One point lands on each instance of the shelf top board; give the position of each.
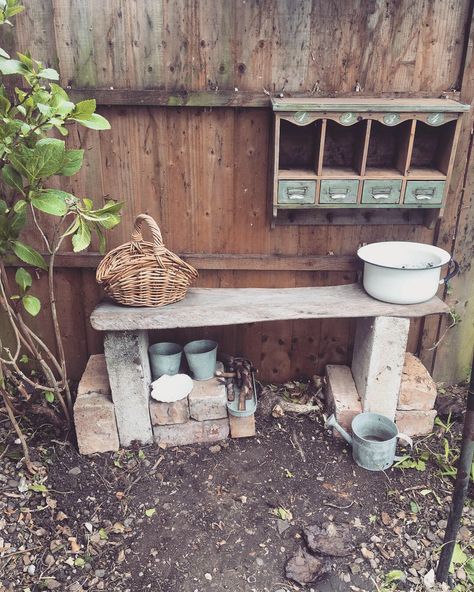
(371, 105)
(205, 307)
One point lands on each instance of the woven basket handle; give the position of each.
(158, 245)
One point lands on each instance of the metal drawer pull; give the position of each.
(339, 193)
(296, 193)
(381, 192)
(426, 193)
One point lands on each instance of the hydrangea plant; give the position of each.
(35, 114)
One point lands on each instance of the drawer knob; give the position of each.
(381, 192)
(339, 193)
(294, 193)
(426, 193)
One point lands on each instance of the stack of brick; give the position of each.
(94, 413)
(414, 414)
(415, 410)
(198, 418)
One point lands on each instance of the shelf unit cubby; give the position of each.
(338, 159)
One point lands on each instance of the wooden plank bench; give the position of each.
(379, 349)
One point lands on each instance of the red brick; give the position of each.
(169, 413)
(417, 388)
(192, 432)
(242, 427)
(96, 427)
(415, 423)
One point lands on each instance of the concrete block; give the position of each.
(379, 355)
(192, 432)
(342, 397)
(242, 427)
(126, 354)
(95, 378)
(96, 427)
(169, 413)
(417, 388)
(415, 423)
(208, 400)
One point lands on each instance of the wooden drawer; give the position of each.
(296, 192)
(424, 193)
(380, 192)
(338, 191)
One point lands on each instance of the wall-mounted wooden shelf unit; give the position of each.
(334, 155)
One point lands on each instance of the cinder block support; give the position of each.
(379, 353)
(126, 354)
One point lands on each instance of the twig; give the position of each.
(29, 465)
(339, 507)
(297, 445)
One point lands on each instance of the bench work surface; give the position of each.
(233, 306)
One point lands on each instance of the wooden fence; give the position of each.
(185, 85)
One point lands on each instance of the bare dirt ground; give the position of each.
(226, 517)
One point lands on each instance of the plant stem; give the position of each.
(29, 465)
(57, 330)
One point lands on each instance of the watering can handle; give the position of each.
(408, 441)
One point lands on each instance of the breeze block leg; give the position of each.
(377, 364)
(126, 354)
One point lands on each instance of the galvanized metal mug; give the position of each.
(201, 356)
(374, 440)
(165, 358)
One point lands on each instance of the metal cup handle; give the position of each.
(453, 269)
(408, 441)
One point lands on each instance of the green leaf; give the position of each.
(11, 67)
(20, 206)
(72, 162)
(469, 569)
(23, 279)
(31, 304)
(3, 207)
(79, 562)
(49, 396)
(52, 201)
(459, 556)
(414, 507)
(94, 121)
(394, 576)
(24, 359)
(48, 155)
(103, 534)
(38, 487)
(4, 54)
(12, 177)
(28, 255)
(49, 74)
(84, 109)
(82, 238)
(149, 513)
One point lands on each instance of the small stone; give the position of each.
(49, 560)
(208, 577)
(99, 573)
(282, 525)
(215, 449)
(259, 561)
(329, 539)
(31, 569)
(367, 553)
(75, 471)
(304, 568)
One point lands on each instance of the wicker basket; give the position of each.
(140, 273)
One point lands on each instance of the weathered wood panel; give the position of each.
(281, 46)
(202, 173)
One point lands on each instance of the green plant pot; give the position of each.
(165, 358)
(201, 356)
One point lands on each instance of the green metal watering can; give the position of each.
(374, 440)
